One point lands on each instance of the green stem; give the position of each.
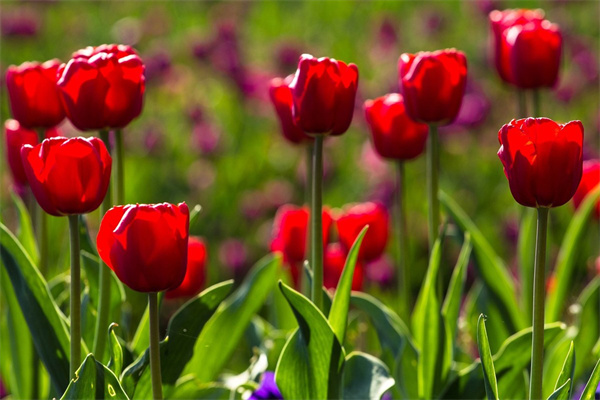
(522, 102)
(404, 287)
(101, 330)
(154, 347)
(316, 231)
(42, 224)
(75, 296)
(304, 284)
(537, 106)
(433, 166)
(119, 170)
(539, 281)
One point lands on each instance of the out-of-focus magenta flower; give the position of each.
(334, 260)
(433, 84)
(527, 48)
(16, 137)
(542, 160)
(33, 94)
(287, 57)
(268, 389)
(387, 36)
(157, 64)
(102, 87)
(68, 176)
(590, 179)
(381, 272)
(195, 274)
(19, 23)
(354, 218)
(473, 112)
(281, 97)
(394, 134)
(324, 91)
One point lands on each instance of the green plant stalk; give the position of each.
(154, 347)
(75, 299)
(522, 102)
(316, 231)
(304, 285)
(119, 169)
(403, 271)
(539, 281)
(101, 329)
(433, 167)
(537, 106)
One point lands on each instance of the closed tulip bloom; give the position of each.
(33, 94)
(590, 179)
(102, 87)
(394, 134)
(68, 176)
(433, 84)
(354, 218)
(334, 261)
(324, 91)
(146, 245)
(16, 137)
(542, 160)
(281, 97)
(195, 274)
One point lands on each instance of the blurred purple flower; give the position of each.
(206, 137)
(586, 60)
(287, 56)
(153, 139)
(233, 256)
(387, 37)
(383, 192)
(278, 193)
(486, 6)
(19, 22)
(374, 166)
(253, 205)
(268, 388)
(434, 23)
(381, 272)
(157, 64)
(473, 111)
(511, 231)
(3, 391)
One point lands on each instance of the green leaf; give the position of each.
(562, 393)
(310, 365)
(397, 344)
(116, 352)
(587, 325)
(338, 316)
(487, 363)
(567, 372)
(141, 338)
(49, 332)
(429, 330)
(365, 377)
(222, 332)
(189, 388)
(567, 257)
(194, 214)
(525, 253)
(94, 381)
(25, 232)
(492, 270)
(176, 350)
(590, 388)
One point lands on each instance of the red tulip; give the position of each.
(146, 245)
(68, 176)
(324, 90)
(33, 94)
(281, 97)
(102, 87)
(195, 274)
(16, 137)
(542, 160)
(590, 179)
(290, 229)
(527, 48)
(433, 84)
(394, 134)
(353, 220)
(334, 261)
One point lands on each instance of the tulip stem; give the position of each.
(433, 166)
(154, 347)
(42, 225)
(404, 286)
(105, 281)
(75, 305)
(316, 231)
(537, 106)
(310, 148)
(522, 102)
(537, 347)
(119, 169)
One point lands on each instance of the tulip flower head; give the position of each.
(146, 245)
(394, 134)
(33, 94)
(195, 274)
(333, 265)
(354, 218)
(102, 87)
(590, 179)
(68, 176)
(324, 91)
(542, 160)
(433, 84)
(281, 97)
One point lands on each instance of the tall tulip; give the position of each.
(195, 274)
(590, 180)
(543, 164)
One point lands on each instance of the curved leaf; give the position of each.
(487, 363)
(116, 352)
(365, 377)
(592, 384)
(562, 393)
(94, 381)
(525, 253)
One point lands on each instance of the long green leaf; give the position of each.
(568, 371)
(310, 365)
(587, 324)
(94, 381)
(592, 384)
(338, 316)
(116, 351)
(562, 393)
(43, 317)
(558, 361)
(491, 268)
(25, 232)
(365, 377)
(222, 332)
(487, 362)
(525, 246)
(567, 256)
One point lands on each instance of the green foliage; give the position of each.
(94, 381)
(365, 377)
(116, 351)
(590, 388)
(487, 362)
